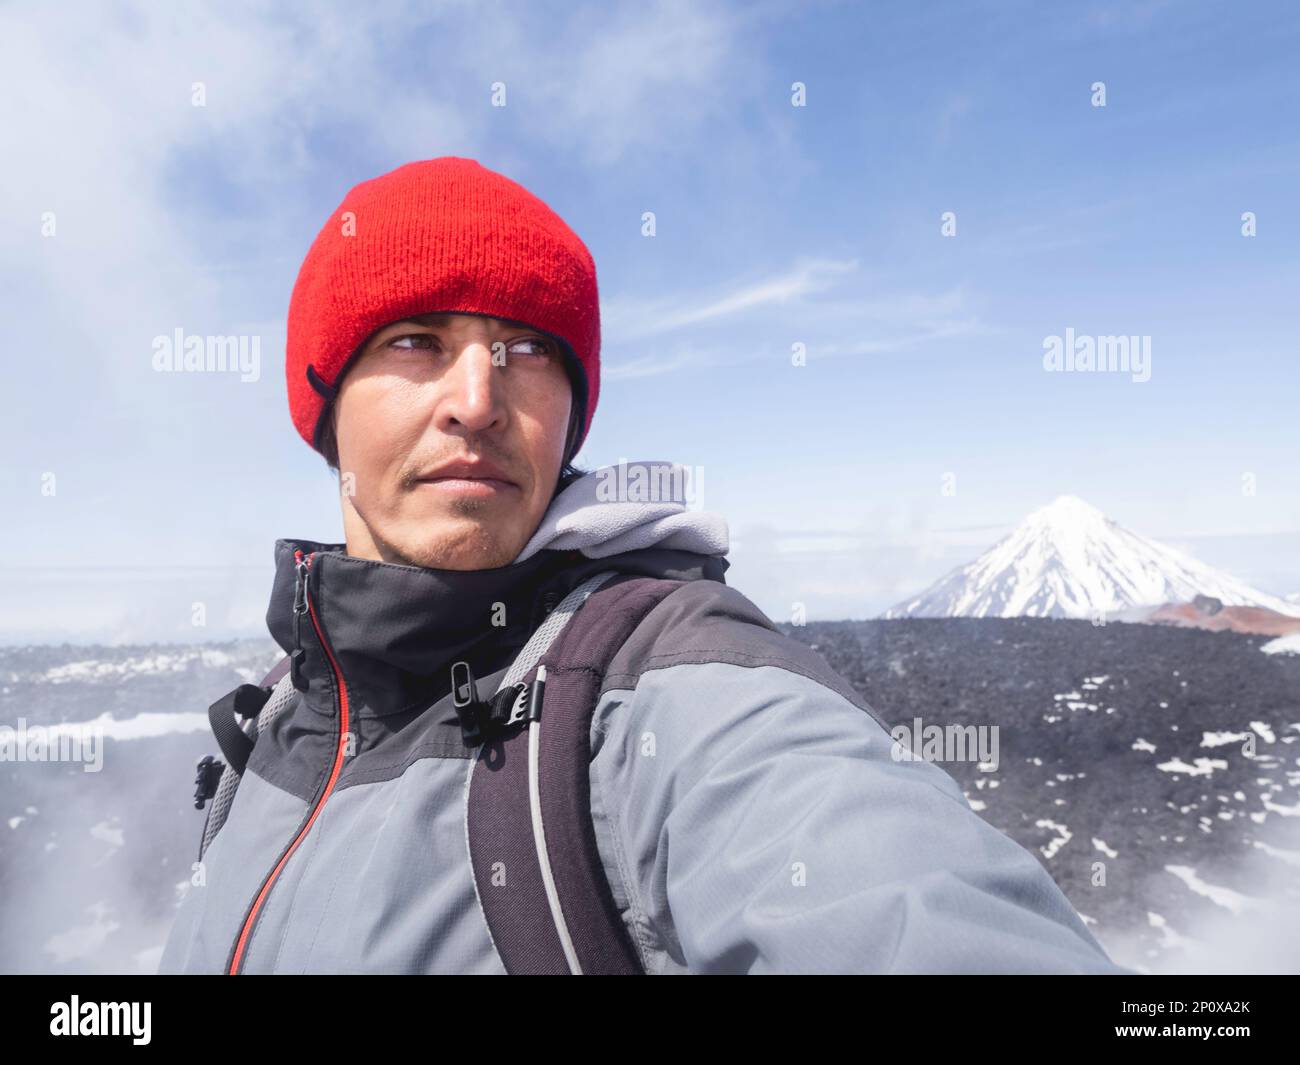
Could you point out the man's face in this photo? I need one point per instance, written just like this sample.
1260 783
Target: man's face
427 392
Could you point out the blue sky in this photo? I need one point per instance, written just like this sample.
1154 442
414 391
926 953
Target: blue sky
776 225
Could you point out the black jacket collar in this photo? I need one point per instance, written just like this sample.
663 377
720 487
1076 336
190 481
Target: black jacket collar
394 630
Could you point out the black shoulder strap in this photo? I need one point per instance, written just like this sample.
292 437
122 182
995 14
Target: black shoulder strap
246 701
216 780
537 870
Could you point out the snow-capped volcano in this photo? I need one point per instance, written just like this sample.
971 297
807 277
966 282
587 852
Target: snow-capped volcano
1068 560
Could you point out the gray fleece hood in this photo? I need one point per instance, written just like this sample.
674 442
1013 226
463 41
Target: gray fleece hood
626 507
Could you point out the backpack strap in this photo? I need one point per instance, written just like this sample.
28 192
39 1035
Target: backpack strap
539 878
278 688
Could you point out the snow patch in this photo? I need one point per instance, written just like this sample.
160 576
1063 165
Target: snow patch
1203 767
1220 896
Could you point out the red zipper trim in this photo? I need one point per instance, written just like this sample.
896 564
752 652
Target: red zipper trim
241 945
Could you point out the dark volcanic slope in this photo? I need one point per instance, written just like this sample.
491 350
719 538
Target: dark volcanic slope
1203 830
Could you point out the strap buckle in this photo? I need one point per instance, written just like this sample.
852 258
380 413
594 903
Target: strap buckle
206 778
485 719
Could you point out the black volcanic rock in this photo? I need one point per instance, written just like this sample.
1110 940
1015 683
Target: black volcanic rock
1207 604
1077 706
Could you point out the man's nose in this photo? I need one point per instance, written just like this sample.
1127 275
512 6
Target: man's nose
472 389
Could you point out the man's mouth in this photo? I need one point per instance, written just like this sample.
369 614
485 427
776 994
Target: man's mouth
478 477
468 485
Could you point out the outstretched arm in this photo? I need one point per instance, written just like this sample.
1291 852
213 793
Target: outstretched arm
760 824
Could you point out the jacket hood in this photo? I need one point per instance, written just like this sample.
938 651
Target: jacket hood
620 508
393 630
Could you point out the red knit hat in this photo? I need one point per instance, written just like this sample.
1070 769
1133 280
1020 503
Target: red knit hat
441 235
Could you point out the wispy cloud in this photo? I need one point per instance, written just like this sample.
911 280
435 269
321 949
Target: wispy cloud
818 302
659 362
632 319
954 108
613 79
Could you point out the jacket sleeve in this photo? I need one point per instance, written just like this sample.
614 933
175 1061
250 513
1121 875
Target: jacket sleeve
756 821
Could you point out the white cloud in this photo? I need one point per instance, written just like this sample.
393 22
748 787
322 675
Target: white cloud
818 302
636 319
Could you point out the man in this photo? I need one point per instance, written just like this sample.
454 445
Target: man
750 812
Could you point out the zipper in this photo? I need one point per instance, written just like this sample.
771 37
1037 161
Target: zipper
302 604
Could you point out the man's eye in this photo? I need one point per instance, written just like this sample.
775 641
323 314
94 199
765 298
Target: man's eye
534 346
427 341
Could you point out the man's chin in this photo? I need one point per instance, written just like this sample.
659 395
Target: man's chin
453 543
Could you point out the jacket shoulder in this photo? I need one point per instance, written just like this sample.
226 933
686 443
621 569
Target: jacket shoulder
705 622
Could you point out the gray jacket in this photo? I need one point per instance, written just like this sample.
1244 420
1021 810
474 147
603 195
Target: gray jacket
749 813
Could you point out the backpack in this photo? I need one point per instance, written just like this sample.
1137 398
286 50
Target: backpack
554 865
